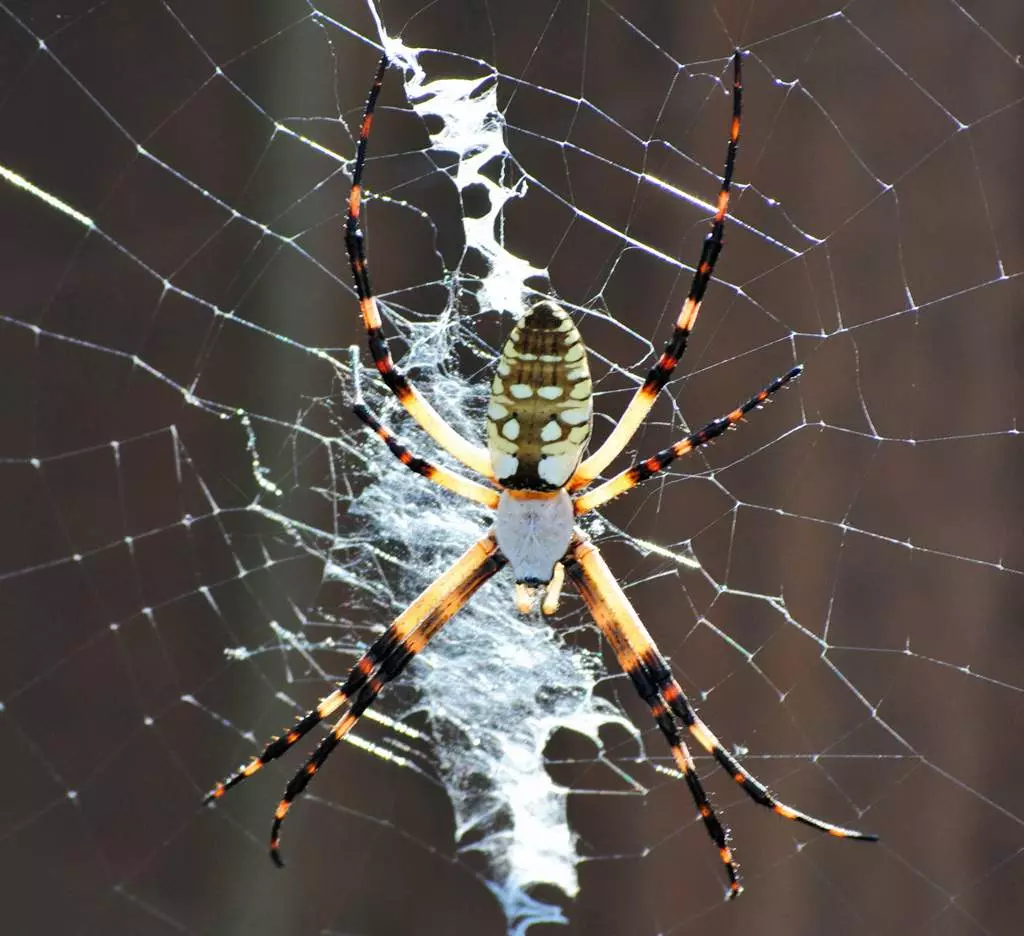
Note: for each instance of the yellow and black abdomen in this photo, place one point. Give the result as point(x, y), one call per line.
point(541, 408)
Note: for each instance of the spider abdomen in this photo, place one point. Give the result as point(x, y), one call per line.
point(541, 408)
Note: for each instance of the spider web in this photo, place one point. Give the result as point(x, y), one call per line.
point(199, 536)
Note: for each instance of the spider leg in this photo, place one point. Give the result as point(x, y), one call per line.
point(642, 470)
point(384, 660)
point(472, 456)
point(602, 595)
point(463, 486)
point(659, 375)
point(646, 667)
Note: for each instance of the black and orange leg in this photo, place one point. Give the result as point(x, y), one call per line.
point(607, 604)
point(472, 456)
point(365, 669)
point(680, 705)
point(465, 487)
point(641, 471)
point(643, 662)
point(659, 375)
point(478, 565)
point(407, 635)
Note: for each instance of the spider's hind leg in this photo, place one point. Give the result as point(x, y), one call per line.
point(472, 456)
point(659, 375)
point(465, 487)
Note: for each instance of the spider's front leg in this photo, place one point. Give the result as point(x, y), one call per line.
point(382, 662)
point(616, 619)
point(641, 660)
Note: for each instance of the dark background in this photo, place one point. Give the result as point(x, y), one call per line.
point(891, 130)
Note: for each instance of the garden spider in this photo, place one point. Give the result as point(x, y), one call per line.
point(538, 424)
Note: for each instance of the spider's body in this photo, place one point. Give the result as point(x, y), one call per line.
point(542, 408)
point(538, 425)
point(533, 531)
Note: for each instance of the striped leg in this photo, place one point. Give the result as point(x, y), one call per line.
point(608, 606)
point(651, 675)
point(472, 456)
point(659, 375)
point(641, 471)
point(680, 705)
point(441, 476)
point(384, 660)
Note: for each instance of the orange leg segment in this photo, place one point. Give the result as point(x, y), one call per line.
point(472, 456)
point(382, 662)
point(642, 661)
point(659, 375)
point(641, 471)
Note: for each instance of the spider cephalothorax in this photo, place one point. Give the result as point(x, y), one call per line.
point(538, 425)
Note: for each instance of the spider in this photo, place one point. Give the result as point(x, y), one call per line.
point(538, 425)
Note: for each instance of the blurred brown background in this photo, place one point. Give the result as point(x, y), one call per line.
point(889, 130)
